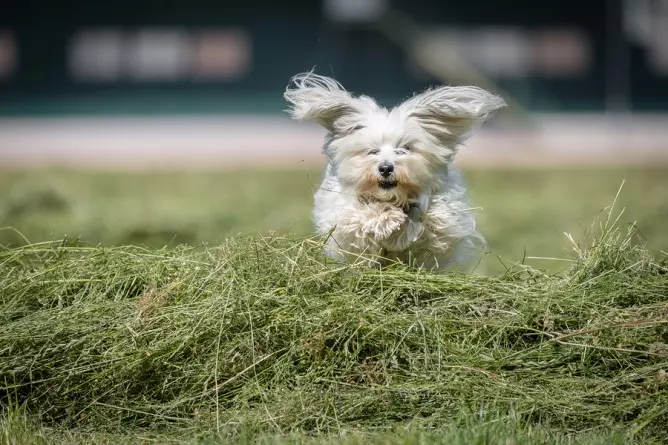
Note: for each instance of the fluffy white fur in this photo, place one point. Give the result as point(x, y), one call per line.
point(419, 214)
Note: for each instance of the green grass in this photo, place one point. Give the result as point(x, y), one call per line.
point(523, 213)
point(262, 338)
point(18, 429)
point(257, 338)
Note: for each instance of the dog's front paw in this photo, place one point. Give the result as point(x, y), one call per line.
point(382, 226)
point(403, 239)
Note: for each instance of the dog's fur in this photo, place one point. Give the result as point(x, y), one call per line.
point(418, 214)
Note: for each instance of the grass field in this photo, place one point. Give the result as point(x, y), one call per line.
point(257, 338)
point(522, 213)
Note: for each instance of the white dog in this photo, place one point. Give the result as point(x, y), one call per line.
point(390, 191)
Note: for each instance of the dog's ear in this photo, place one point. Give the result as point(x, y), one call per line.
point(322, 100)
point(451, 113)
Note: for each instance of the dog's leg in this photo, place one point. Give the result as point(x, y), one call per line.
point(371, 223)
point(401, 240)
point(411, 229)
point(382, 221)
point(364, 230)
point(450, 240)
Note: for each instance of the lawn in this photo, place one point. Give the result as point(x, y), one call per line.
point(256, 338)
point(523, 213)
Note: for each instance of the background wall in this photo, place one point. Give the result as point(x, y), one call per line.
point(149, 56)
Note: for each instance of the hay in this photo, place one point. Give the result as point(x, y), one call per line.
point(262, 337)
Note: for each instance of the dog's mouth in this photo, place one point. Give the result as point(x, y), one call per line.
point(387, 184)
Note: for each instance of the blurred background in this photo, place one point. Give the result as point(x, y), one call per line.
point(161, 122)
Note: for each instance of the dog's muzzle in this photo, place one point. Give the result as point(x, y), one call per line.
point(387, 179)
point(386, 169)
point(387, 183)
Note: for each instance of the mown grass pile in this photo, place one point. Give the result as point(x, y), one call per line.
point(262, 336)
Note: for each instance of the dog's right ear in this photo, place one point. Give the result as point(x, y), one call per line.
point(322, 100)
point(451, 113)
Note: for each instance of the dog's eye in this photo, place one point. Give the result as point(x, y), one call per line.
point(374, 151)
point(403, 149)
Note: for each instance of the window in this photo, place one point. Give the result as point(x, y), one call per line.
point(7, 54)
point(159, 55)
point(354, 10)
point(96, 56)
point(561, 53)
point(222, 54)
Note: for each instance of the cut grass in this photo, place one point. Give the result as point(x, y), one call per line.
point(19, 429)
point(261, 338)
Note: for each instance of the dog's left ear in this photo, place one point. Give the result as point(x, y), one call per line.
point(323, 100)
point(451, 113)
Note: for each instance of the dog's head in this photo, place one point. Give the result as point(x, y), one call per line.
point(389, 155)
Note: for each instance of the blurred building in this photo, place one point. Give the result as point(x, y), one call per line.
point(152, 56)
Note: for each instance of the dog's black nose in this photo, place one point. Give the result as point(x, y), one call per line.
point(385, 168)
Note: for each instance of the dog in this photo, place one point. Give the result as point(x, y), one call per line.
point(390, 192)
